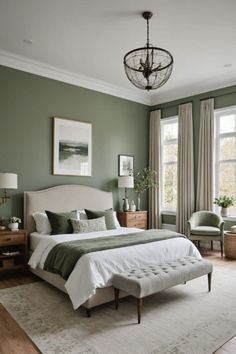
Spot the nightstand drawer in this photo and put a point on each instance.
(139, 224)
(135, 217)
(11, 239)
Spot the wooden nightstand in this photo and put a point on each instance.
(133, 219)
(13, 241)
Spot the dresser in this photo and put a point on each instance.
(133, 219)
(13, 250)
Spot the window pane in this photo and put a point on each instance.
(170, 153)
(227, 123)
(170, 187)
(228, 148)
(227, 178)
(170, 131)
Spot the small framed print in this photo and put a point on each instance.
(72, 147)
(125, 165)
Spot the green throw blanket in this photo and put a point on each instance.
(64, 256)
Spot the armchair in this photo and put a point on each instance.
(206, 226)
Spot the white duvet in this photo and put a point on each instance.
(95, 270)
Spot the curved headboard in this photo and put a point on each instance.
(64, 198)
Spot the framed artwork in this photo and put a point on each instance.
(72, 147)
(125, 165)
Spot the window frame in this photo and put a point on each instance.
(218, 113)
(165, 121)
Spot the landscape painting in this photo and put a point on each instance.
(72, 147)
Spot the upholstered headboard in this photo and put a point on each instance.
(64, 198)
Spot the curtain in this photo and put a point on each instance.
(185, 169)
(154, 163)
(204, 200)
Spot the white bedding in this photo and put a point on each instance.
(95, 270)
(34, 239)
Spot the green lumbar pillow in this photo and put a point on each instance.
(109, 217)
(60, 222)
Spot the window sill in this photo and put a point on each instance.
(229, 218)
(166, 212)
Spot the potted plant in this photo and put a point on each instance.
(144, 180)
(14, 223)
(224, 202)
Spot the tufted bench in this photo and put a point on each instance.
(147, 280)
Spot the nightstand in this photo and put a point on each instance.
(13, 250)
(133, 219)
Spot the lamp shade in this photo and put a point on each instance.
(126, 182)
(8, 180)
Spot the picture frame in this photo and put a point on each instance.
(72, 147)
(125, 165)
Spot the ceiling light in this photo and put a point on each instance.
(148, 67)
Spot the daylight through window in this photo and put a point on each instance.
(169, 152)
(225, 154)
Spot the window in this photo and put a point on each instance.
(225, 154)
(169, 152)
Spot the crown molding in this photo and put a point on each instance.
(38, 68)
(185, 92)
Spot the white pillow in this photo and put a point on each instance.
(81, 226)
(117, 224)
(42, 223)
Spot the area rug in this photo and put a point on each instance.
(185, 319)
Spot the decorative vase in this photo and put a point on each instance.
(224, 212)
(132, 206)
(126, 204)
(13, 226)
(139, 202)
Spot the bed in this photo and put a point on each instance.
(78, 197)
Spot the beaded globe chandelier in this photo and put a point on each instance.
(149, 67)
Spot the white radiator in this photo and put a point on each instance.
(169, 227)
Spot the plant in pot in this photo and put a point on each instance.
(143, 180)
(14, 223)
(224, 202)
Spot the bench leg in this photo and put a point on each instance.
(209, 281)
(116, 298)
(211, 245)
(88, 312)
(139, 308)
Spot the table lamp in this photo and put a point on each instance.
(126, 182)
(7, 181)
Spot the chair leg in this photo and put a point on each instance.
(209, 275)
(221, 248)
(116, 298)
(139, 309)
(198, 244)
(212, 245)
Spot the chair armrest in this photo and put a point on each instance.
(221, 227)
(188, 228)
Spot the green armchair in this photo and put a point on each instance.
(206, 226)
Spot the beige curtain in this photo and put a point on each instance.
(185, 181)
(204, 199)
(154, 163)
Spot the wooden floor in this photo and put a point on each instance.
(15, 341)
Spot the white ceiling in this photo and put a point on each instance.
(84, 41)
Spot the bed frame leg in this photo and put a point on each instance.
(88, 312)
(116, 291)
(209, 281)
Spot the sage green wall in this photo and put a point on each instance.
(27, 105)
(223, 98)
